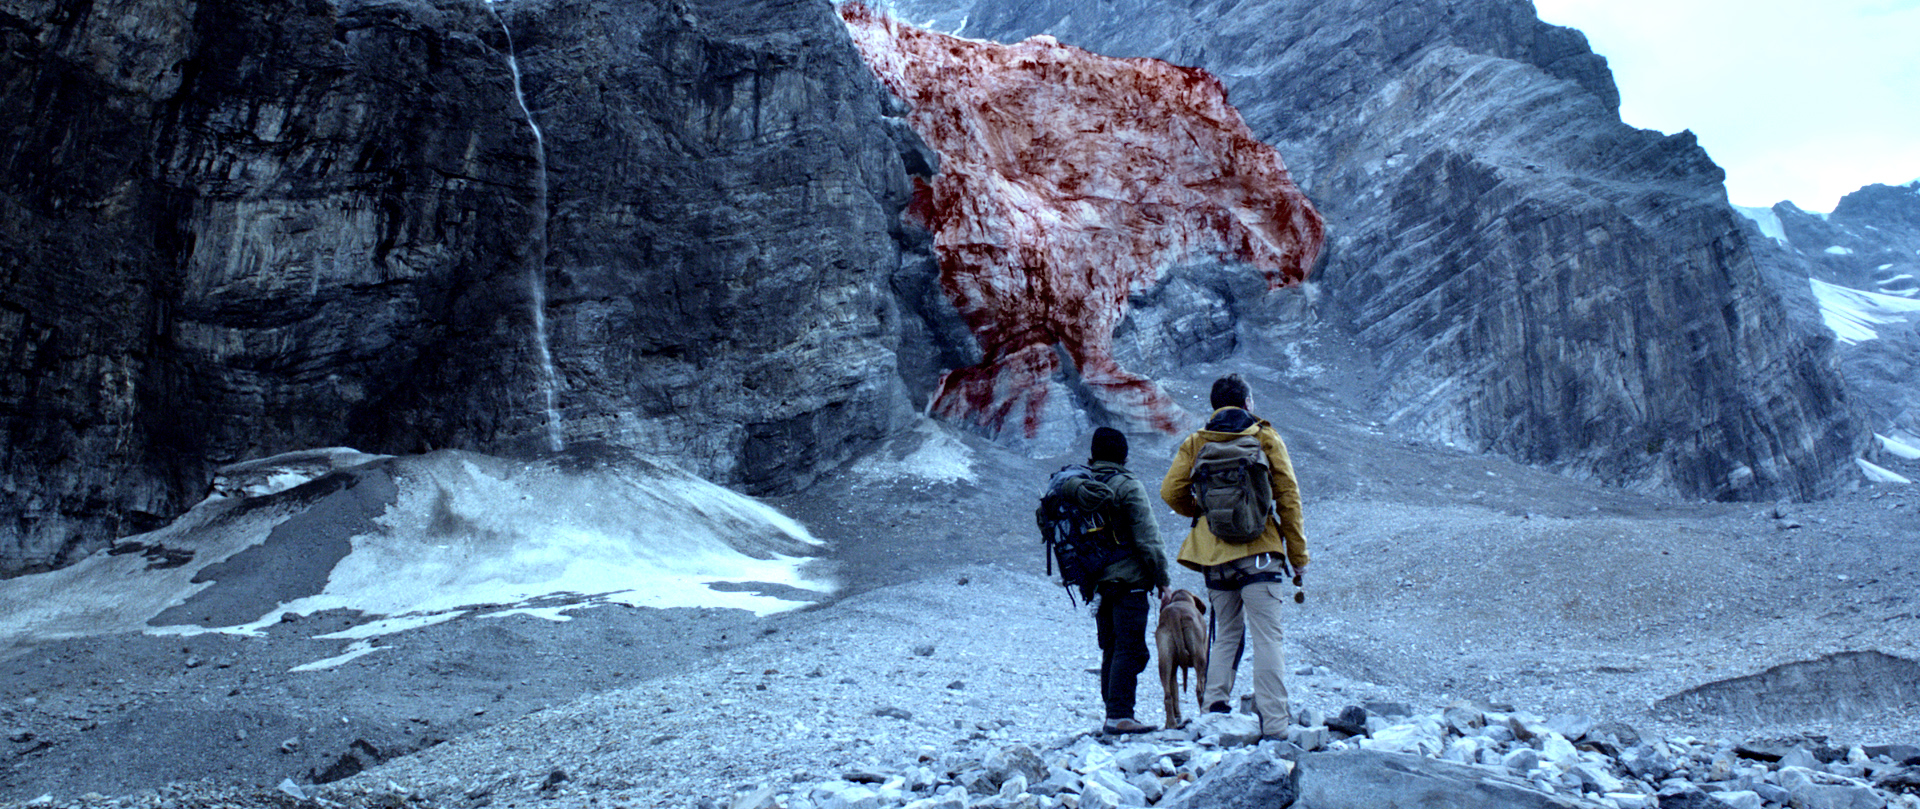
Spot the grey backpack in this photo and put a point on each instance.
(1234, 487)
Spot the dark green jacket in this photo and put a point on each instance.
(1133, 513)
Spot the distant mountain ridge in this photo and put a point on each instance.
(1856, 271)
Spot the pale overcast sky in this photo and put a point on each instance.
(1802, 100)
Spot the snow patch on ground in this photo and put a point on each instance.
(1899, 447)
(1837, 250)
(939, 458)
(109, 593)
(264, 476)
(465, 533)
(1852, 314)
(475, 532)
(355, 651)
(1880, 474)
(389, 626)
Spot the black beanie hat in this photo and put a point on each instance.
(1109, 445)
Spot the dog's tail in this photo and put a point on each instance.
(1184, 647)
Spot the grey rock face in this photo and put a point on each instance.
(1537, 278)
(234, 229)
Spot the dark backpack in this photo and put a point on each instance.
(1234, 486)
(1077, 527)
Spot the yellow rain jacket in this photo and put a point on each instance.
(1287, 535)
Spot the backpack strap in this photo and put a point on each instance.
(1238, 573)
(1107, 477)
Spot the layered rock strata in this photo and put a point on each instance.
(231, 229)
(1068, 183)
(1537, 278)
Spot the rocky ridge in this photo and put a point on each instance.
(1861, 262)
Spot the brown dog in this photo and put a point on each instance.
(1181, 640)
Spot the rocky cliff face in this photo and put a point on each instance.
(1537, 278)
(230, 229)
(1853, 272)
(1069, 183)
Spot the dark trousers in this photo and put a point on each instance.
(1122, 621)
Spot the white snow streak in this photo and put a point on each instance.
(1880, 474)
(1768, 221)
(1898, 447)
(356, 650)
(1852, 314)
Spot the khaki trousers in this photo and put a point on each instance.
(1252, 612)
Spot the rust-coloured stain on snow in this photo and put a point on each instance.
(1068, 181)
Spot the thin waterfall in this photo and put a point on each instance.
(536, 270)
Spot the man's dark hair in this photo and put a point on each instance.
(1230, 391)
(1109, 445)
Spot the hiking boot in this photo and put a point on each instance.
(1125, 726)
(1274, 729)
(1219, 706)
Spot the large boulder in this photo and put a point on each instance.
(1365, 779)
(1243, 782)
(1842, 685)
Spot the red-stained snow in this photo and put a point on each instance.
(1069, 180)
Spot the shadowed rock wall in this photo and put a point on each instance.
(231, 229)
(1537, 279)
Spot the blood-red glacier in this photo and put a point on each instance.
(1068, 181)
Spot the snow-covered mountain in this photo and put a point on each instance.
(1858, 269)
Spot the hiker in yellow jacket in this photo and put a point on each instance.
(1245, 582)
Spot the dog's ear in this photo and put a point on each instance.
(1198, 605)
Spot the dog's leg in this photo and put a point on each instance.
(1200, 678)
(1169, 678)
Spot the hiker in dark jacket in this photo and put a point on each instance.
(1120, 600)
(1244, 581)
